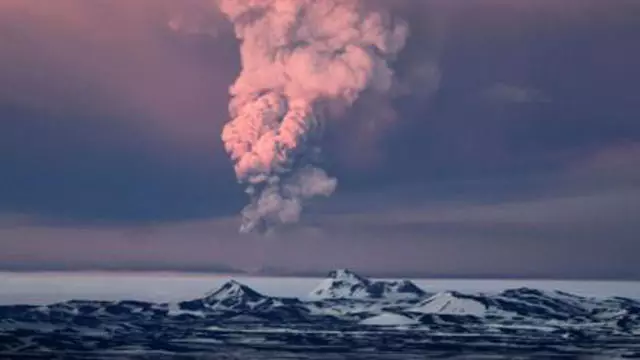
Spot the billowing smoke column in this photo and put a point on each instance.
(298, 57)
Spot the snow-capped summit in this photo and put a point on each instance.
(346, 275)
(343, 283)
(233, 290)
(232, 295)
(236, 298)
(395, 289)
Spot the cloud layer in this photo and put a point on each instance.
(110, 116)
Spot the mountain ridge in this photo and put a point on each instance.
(344, 283)
(234, 314)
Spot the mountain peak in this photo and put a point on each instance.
(346, 275)
(343, 283)
(233, 289)
(399, 288)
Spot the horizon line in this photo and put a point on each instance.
(313, 274)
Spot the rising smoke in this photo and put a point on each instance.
(298, 58)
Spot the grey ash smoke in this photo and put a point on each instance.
(296, 55)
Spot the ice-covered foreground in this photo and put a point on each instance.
(342, 314)
(48, 287)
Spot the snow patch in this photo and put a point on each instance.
(174, 310)
(389, 319)
(449, 303)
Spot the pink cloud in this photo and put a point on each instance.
(118, 58)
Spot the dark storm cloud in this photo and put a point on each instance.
(107, 113)
(577, 55)
(550, 237)
(513, 133)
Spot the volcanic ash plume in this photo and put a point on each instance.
(297, 57)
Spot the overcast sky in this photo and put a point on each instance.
(514, 149)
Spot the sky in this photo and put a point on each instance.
(510, 148)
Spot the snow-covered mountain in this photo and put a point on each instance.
(232, 295)
(521, 302)
(236, 302)
(345, 284)
(347, 312)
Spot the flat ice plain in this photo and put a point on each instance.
(41, 288)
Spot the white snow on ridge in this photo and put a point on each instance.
(341, 284)
(174, 310)
(447, 303)
(344, 284)
(233, 289)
